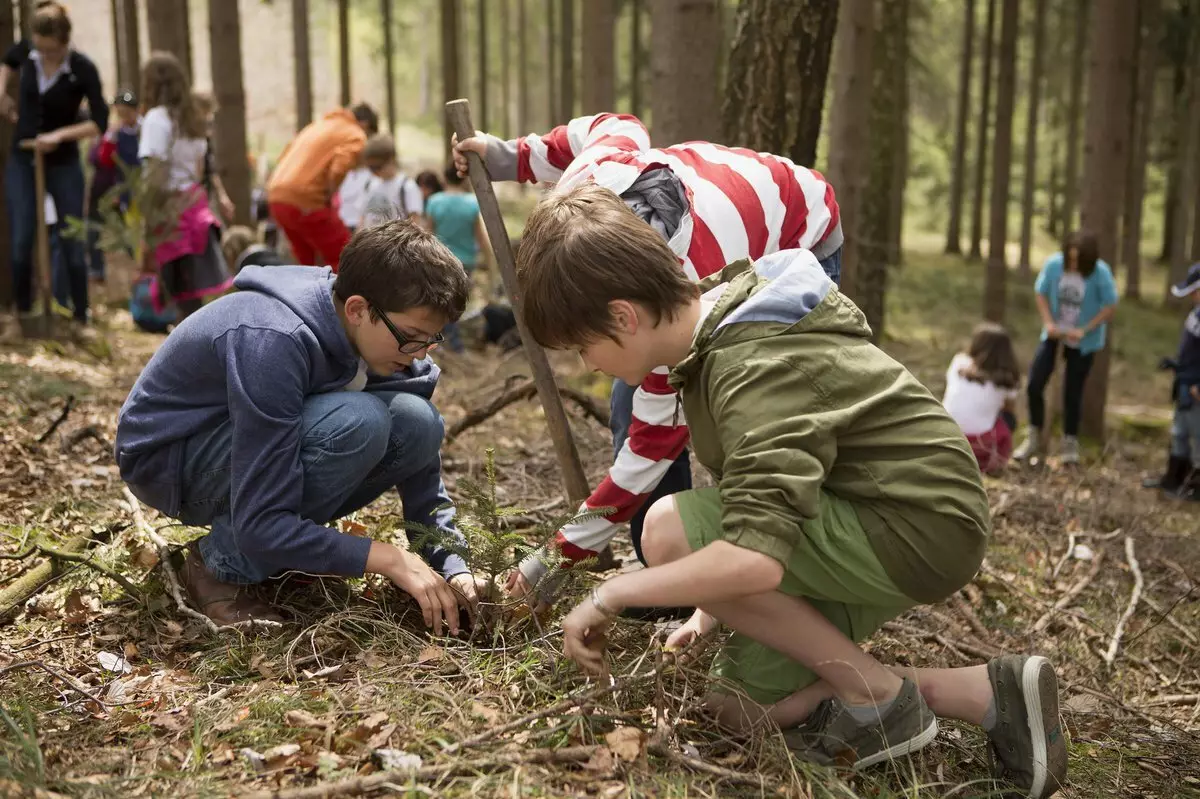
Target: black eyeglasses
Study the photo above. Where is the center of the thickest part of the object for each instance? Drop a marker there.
(407, 345)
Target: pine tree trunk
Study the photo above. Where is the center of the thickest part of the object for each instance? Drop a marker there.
(1031, 131)
(389, 68)
(552, 66)
(232, 158)
(450, 63)
(636, 57)
(26, 8)
(303, 63)
(506, 108)
(849, 116)
(566, 51)
(1142, 115)
(599, 56)
(343, 26)
(8, 31)
(131, 42)
(683, 74)
(1074, 106)
(1113, 44)
(891, 46)
(522, 70)
(995, 298)
(481, 103)
(115, 10)
(775, 82)
(959, 164)
(167, 23)
(900, 161)
(1179, 106)
(1188, 156)
(981, 135)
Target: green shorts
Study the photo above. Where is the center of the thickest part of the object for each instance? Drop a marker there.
(833, 567)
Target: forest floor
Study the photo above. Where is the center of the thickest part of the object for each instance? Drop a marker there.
(102, 694)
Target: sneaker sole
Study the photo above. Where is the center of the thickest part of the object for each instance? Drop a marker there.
(914, 744)
(1039, 685)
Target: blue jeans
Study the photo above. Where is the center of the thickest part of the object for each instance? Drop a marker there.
(679, 476)
(354, 447)
(64, 182)
(1185, 433)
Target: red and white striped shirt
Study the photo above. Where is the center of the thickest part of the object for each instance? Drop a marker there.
(741, 204)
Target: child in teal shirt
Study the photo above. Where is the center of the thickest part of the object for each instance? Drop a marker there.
(454, 214)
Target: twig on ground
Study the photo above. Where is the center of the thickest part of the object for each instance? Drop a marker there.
(1069, 597)
(84, 560)
(696, 764)
(62, 417)
(524, 390)
(968, 613)
(1172, 699)
(24, 553)
(1138, 583)
(981, 651)
(70, 681)
(1165, 615)
(362, 785)
(70, 440)
(164, 559)
(1066, 556)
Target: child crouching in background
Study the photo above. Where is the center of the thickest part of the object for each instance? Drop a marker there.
(242, 247)
(981, 392)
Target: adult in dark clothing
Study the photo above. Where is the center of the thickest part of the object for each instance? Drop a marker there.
(54, 81)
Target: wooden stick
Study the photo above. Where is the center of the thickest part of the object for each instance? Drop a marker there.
(1111, 654)
(522, 391)
(73, 557)
(1165, 615)
(62, 417)
(43, 236)
(32, 581)
(1067, 598)
(458, 113)
(1172, 699)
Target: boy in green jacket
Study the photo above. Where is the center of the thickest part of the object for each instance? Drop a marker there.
(845, 494)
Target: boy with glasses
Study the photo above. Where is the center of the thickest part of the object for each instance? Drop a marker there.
(297, 400)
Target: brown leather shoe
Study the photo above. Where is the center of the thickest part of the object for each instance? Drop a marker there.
(224, 603)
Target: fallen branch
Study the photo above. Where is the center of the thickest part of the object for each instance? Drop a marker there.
(13, 596)
(164, 560)
(1069, 597)
(62, 417)
(982, 651)
(88, 431)
(1066, 556)
(1172, 699)
(968, 613)
(524, 390)
(71, 682)
(362, 785)
(696, 764)
(84, 560)
(1165, 615)
(1138, 582)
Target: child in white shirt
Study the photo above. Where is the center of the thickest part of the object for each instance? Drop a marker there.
(981, 391)
(394, 195)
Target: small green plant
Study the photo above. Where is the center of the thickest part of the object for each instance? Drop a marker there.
(20, 751)
(492, 548)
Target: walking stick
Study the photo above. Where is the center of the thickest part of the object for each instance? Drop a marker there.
(458, 112)
(43, 236)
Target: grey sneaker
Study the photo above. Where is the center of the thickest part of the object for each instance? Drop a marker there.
(1027, 745)
(833, 737)
(1070, 450)
(1030, 446)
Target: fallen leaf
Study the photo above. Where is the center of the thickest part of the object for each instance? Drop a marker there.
(353, 528)
(328, 671)
(485, 711)
(397, 759)
(1081, 703)
(131, 650)
(626, 742)
(265, 669)
(380, 738)
(371, 659)
(369, 726)
(279, 756)
(146, 557)
(233, 722)
(431, 654)
(75, 611)
(304, 720)
(602, 761)
(114, 663)
(171, 721)
(253, 758)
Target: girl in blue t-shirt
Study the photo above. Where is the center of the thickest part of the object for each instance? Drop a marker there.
(454, 215)
(1076, 298)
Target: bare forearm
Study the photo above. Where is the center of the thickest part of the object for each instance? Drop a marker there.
(1043, 306)
(720, 572)
(80, 130)
(1106, 314)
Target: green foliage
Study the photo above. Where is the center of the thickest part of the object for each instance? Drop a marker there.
(20, 752)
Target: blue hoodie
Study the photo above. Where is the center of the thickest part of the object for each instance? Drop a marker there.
(254, 356)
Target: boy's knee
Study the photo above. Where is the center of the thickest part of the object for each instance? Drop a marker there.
(663, 536)
(359, 426)
(416, 426)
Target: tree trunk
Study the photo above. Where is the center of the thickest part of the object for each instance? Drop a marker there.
(303, 59)
(683, 73)
(479, 108)
(959, 164)
(389, 69)
(891, 46)
(232, 159)
(8, 31)
(849, 116)
(551, 66)
(450, 62)
(1075, 102)
(599, 59)
(133, 44)
(1141, 120)
(343, 25)
(26, 8)
(775, 83)
(115, 10)
(1031, 131)
(900, 159)
(995, 299)
(981, 135)
(636, 57)
(1113, 44)
(167, 23)
(522, 70)
(566, 103)
(506, 108)
(1189, 174)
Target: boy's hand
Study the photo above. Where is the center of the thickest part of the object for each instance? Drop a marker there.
(517, 587)
(1052, 331)
(699, 624)
(1074, 335)
(469, 589)
(583, 636)
(476, 144)
(412, 574)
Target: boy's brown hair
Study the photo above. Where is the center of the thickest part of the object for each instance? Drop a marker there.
(380, 149)
(236, 241)
(399, 265)
(583, 248)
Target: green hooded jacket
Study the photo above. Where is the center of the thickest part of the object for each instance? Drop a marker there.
(785, 395)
